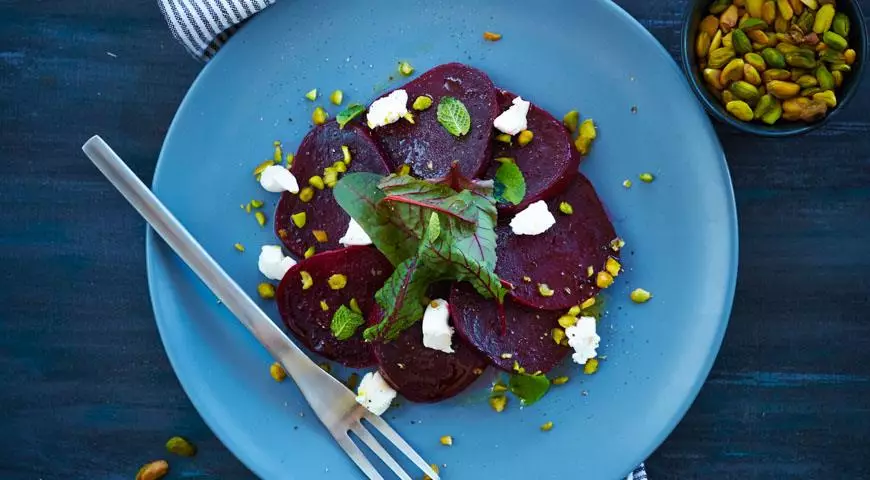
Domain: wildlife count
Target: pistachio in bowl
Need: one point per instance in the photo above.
(773, 66)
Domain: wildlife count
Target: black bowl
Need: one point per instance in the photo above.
(697, 9)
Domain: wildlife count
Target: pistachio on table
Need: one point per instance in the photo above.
(773, 60)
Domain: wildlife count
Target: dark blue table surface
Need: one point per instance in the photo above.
(85, 387)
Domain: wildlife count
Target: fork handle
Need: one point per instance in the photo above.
(192, 253)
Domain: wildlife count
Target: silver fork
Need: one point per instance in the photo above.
(331, 401)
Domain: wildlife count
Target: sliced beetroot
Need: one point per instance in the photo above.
(559, 257)
(549, 163)
(527, 340)
(366, 270)
(422, 374)
(426, 146)
(320, 149)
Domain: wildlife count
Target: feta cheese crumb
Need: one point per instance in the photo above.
(513, 120)
(583, 339)
(277, 179)
(273, 263)
(374, 393)
(437, 334)
(355, 235)
(389, 109)
(534, 220)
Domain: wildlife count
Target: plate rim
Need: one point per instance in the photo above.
(705, 367)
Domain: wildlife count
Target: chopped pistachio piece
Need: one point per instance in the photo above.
(277, 371)
(278, 154)
(239, 247)
(405, 68)
(299, 219)
(266, 291)
(616, 244)
(639, 295)
(503, 138)
(316, 181)
(345, 154)
(518, 368)
(498, 403)
(507, 356)
(181, 446)
(545, 290)
(247, 207)
(319, 116)
(309, 252)
(446, 440)
(547, 427)
(566, 321)
(612, 266)
(257, 203)
(525, 137)
(320, 236)
(591, 366)
(324, 306)
(409, 117)
(403, 170)
(289, 161)
(558, 335)
(422, 103)
(566, 208)
(306, 194)
(337, 281)
(571, 120)
(646, 177)
(604, 279)
(339, 167)
(312, 94)
(590, 271)
(330, 176)
(355, 306)
(527, 279)
(626, 183)
(259, 168)
(574, 311)
(588, 303)
(499, 388)
(261, 218)
(560, 380)
(307, 281)
(336, 97)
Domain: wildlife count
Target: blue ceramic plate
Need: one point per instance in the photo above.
(681, 230)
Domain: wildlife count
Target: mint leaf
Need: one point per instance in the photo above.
(453, 116)
(402, 296)
(510, 185)
(345, 322)
(352, 111)
(358, 194)
(529, 388)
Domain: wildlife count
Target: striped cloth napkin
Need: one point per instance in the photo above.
(202, 26)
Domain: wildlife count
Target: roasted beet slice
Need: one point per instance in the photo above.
(559, 257)
(366, 270)
(320, 149)
(426, 146)
(422, 374)
(549, 163)
(527, 340)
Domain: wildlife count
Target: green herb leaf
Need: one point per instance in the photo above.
(453, 116)
(529, 388)
(469, 215)
(510, 185)
(403, 295)
(358, 194)
(352, 111)
(345, 322)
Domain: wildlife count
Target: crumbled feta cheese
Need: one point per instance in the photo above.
(534, 220)
(277, 179)
(583, 339)
(513, 120)
(389, 109)
(273, 263)
(355, 235)
(437, 334)
(374, 393)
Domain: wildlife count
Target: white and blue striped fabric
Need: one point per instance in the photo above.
(202, 26)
